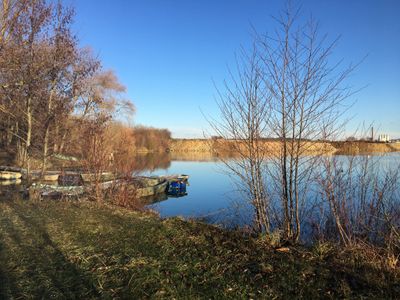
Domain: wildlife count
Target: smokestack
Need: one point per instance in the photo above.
(372, 133)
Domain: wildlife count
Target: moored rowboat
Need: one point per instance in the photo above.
(104, 176)
(43, 190)
(8, 175)
(10, 182)
(175, 177)
(47, 176)
(12, 169)
(87, 177)
(141, 186)
(151, 186)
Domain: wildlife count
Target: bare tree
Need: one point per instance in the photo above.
(307, 97)
(287, 91)
(100, 102)
(23, 73)
(244, 112)
(10, 12)
(46, 79)
(81, 75)
(61, 57)
(36, 55)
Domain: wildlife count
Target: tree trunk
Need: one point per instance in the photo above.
(56, 140)
(62, 144)
(9, 135)
(25, 148)
(47, 126)
(45, 148)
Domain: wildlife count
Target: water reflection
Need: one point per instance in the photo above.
(212, 195)
(209, 195)
(9, 190)
(215, 198)
(151, 161)
(146, 162)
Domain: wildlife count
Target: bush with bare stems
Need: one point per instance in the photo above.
(286, 89)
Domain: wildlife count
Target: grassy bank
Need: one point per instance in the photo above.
(83, 250)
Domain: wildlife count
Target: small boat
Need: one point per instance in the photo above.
(49, 190)
(70, 179)
(9, 175)
(12, 169)
(177, 188)
(183, 176)
(87, 177)
(10, 182)
(149, 186)
(141, 186)
(176, 184)
(47, 176)
(58, 191)
(175, 177)
(64, 157)
(35, 174)
(104, 176)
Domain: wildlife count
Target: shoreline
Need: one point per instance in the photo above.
(221, 147)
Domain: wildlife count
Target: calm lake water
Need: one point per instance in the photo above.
(212, 195)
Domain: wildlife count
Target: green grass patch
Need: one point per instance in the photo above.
(81, 250)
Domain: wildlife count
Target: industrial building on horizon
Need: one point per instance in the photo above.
(384, 138)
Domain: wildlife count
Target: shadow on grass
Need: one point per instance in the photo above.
(129, 255)
(7, 281)
(31, 260)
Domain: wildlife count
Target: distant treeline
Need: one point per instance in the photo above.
(118, 140)
(151, 139)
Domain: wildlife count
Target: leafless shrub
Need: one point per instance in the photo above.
(361, 194)
(124, 194)
(243, 120)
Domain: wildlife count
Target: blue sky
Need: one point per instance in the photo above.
(169, 53)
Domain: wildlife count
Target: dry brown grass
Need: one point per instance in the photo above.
(224, 147)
